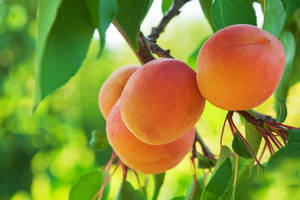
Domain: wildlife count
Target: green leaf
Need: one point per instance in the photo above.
(297, 18)
(288, 40)
(46, 14)
(93, 6)
(274, 17)
(219, 181)
(294, 137)
(102, 12)
(108, 10)
(228, 12)
(198, 190)
(158, 182)
(206, 8)
(253, 137)
(244, 182)
(99, 140)
(192, 59)
(61, 52)
(296, 67)
(165, 5)
(178, 198)
(205, 163)
(229, 193)
(291, 6)
(130, 16)
(126, 192)
(224, 154)
(291, 151)
(88, 185)
(240, 147)
(281, 109)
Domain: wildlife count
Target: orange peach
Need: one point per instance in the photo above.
(112, 88)
(239, 67)
(149, 159)
(161, 101)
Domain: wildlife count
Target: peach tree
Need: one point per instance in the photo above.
(151, 110)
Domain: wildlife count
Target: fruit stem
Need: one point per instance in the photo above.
(111, 160)
(137, 179)
(263, 152)
(236, 171)
(223, 129)
(124, 170)
(194, 178)
(235, 130)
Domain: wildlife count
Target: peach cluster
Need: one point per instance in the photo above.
(151, 112)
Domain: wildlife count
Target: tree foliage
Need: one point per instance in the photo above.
(65, 30)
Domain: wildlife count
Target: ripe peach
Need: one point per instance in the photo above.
(149, 159)
(239, 67)
(112, 88)
(161, 101)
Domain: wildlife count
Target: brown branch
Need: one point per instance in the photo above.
(156, 31)
(148, 45)
(143, 53)
(170, 14)
(257, 120)
(203, 146)
(156, 49)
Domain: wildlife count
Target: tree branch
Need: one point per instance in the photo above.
(257, 120)
(170, 14)
(156, 31)
(156, 49)
(203, 146)
(143, 53)
(148, 45)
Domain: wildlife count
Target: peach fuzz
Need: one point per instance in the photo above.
(239, 67)
(112, 88)
(149, 159)
(161, 101)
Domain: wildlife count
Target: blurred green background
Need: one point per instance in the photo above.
(43, 153)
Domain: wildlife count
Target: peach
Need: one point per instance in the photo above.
(149, 159)
(239, 67)
(161, 101)
(112, 88)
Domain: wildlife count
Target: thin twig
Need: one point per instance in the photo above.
(170, 14)
(156, 31)
(235, 130)
(156, 49)
(203, 146)
(263, 152)
(137, 179)
(223, 129)
(256, 121)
